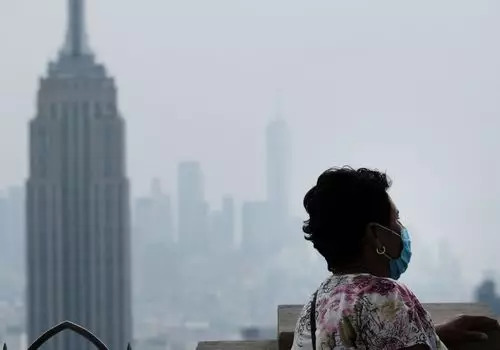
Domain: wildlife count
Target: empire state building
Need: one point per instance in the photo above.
(77, 209)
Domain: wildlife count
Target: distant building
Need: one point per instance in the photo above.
(228, 220)
(192, 207)
(4, 215)
(77, 215)
(162, 214)
(255, 219)
(277, 179)
(142, 215)
(265, 223)
(153, 220)
(258, 333)
(12, 208)
(15, 212)
(12, 220)
(222, 226)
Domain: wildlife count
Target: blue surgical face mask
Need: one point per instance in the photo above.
(398, 266)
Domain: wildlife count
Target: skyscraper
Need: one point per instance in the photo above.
(222, 227)
(77, 212)
(264, 223)
(192, 207)
(256, 231)
(277, 152)
(153, 221)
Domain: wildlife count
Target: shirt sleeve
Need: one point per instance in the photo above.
(392, 318)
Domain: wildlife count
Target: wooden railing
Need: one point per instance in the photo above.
(288, 315)
(67, 325)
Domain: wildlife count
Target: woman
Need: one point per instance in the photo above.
(355, 225)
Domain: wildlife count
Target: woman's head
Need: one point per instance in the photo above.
(353, 222)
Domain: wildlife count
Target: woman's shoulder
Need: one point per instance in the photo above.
(365, 285)
(380, 286)
(364, 293)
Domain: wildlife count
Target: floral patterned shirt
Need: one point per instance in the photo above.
(362, 311)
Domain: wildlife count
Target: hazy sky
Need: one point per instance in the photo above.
(409, 87)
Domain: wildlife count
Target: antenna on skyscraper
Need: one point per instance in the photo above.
(156, 186)
(76, 43)
(278, 100)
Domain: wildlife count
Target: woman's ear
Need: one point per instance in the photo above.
(371, 236)
(371, 229)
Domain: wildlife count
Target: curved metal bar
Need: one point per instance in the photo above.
(71, 326)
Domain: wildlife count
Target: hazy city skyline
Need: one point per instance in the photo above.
(411, 88)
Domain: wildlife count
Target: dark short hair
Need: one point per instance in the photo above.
(340, 206)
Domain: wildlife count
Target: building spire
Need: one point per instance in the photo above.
(76, 36)
(278, 105)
